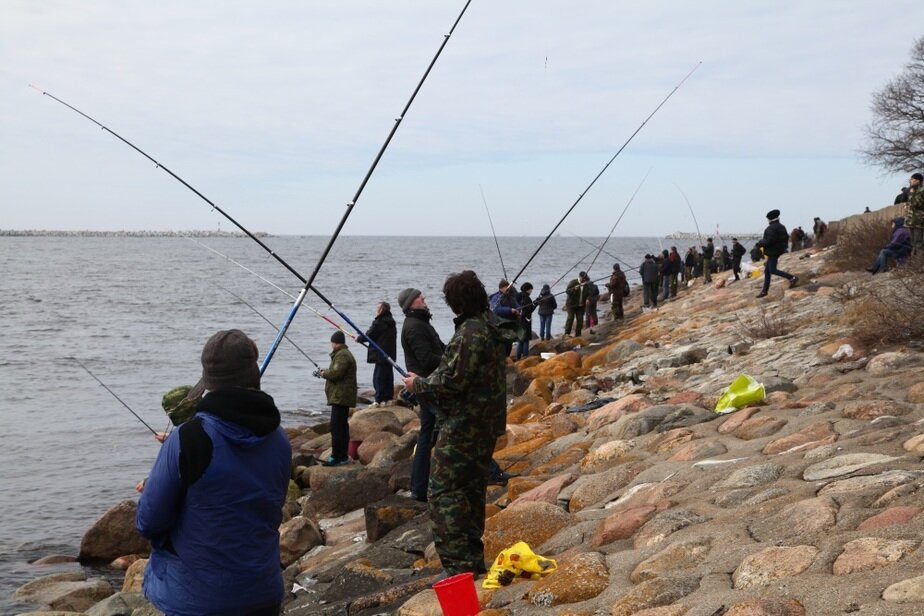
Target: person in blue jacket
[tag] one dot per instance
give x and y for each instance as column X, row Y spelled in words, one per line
column 212, row 504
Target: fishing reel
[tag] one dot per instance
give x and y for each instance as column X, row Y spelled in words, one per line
column 408, row 396
column 317, row 373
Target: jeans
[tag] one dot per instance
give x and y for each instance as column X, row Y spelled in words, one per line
column 882, row 261
column 770, row 269
column 545, row 327
column 420, row 467
column 383, row 380
column 339, row 431
column 522, row 348
column 665, row 286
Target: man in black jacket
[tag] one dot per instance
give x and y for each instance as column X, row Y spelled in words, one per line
column 423, row 350
column 708, row 254
column 737, row 252
column 774, row 244
column 383, row 332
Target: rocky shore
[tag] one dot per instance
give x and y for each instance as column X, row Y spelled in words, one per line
column 651, row 503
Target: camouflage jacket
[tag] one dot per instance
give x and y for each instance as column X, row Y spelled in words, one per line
column 915, row 209
column 470, row 385
column 574, row 294
column 340, row 387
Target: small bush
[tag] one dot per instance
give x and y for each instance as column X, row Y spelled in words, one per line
column 859, row 243
column 768, row 321
column 890, row 313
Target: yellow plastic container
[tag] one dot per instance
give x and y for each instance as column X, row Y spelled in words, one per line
column 743, row 391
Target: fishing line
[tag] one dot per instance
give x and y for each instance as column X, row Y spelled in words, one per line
column 346, row 215
column 260, row 314
column 596, row 247
column 499, row 255
column 605, row 167
column 623, row 213
column 276, row 286
column 106, row 387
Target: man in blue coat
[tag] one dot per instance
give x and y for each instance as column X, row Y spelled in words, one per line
column 212, row 504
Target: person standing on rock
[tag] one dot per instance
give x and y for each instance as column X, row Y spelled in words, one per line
column 708, row 254
column 617, row 287
column 591, row 297
column 504, row 304
column 689, row 262
column 423, row 350
column 574, row 304
column 737, row 252
column 546, row 308
column 774, row 245
column 383, row 332
column 649, row 273
column 526, row 319
column 212, row 504
column 469, row 388
column 915, row 213
column 340, row 390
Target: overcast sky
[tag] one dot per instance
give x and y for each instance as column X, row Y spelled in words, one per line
column 275, row 110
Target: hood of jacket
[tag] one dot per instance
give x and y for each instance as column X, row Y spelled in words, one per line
column 899, row 221
column 247, row 415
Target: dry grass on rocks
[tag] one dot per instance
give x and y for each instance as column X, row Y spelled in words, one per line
column 893, row 313
column 858, row 243
column 767, row 321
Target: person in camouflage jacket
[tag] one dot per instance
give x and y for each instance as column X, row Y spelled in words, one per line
column 469, row 390
column 914, row 213
column 574, row 304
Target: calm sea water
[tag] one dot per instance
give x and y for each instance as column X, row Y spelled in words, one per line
column 136, row 312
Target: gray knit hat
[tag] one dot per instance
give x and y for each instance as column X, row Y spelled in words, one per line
column 229, row 359
column 407, row 297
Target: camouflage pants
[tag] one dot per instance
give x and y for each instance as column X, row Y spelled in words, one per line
column 458, row 480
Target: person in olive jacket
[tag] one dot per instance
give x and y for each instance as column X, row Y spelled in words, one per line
column 384, row 333
column 341, row 395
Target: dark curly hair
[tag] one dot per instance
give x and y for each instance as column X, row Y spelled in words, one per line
column 465, row 294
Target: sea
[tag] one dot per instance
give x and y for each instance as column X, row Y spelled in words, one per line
column 136, row 311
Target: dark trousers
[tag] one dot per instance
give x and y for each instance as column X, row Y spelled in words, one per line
column 651, row 293
column 616, row 305
column 736, row 267
column 575, row 316
column 339, row 431
column 420, row 467
column 522, row 348
column 770, row 270
column 383, row 380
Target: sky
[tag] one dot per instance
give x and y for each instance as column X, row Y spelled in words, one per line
column 276, row 110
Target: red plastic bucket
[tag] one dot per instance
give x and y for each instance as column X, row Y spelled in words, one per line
column 457, row 595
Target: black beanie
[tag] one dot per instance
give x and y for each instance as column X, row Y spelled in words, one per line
column 773, row 214
column 338, row 337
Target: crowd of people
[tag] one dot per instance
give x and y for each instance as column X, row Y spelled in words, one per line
column 215, row 492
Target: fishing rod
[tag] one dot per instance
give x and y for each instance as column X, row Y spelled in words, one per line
column 276, row 286
column 698, row 232
column 138, row 417
column 499, row 255
column 610, row 234
column 607, row 252
column 605, row 167
column 350, row 205
column 260, row 314
column 568, row 271
column 536, row 301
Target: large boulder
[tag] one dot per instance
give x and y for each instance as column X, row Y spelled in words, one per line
column 366, row 422
column 387, row 514
column 65, row 592
column 579, row 578
column 296, row 537
column 113, row 535
column 532, row 522
column 338, row 497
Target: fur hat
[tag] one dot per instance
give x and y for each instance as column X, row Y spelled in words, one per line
column 229, row 359
column 774, row 214
column 407, row 297
column 338, row 337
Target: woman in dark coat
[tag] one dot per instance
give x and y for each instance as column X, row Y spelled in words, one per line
column 384, row 333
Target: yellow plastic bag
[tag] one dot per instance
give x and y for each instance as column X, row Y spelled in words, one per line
column 517, row 561
column 743, row 391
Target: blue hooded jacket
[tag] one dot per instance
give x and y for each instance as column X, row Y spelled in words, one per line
column 212, row 506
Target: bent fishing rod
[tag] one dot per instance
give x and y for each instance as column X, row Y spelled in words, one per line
column 106, row 387
column 273, row 325
column 499, row 255
column 350, row 205
column 605, row 167
column 277, row 287
column 536, row 301
column 615, row 224
column 236, row 223
column 698, row 232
